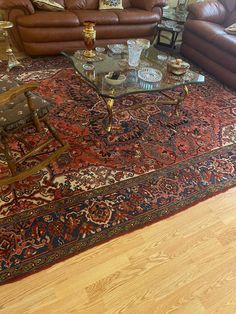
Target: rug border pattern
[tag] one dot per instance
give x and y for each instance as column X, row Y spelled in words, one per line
column 73, row 248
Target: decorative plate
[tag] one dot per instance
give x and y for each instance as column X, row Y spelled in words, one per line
column 117, row 48
column 150, row 75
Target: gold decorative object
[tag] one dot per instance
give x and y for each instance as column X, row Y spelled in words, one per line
column 12, row 61
column 89, row 35
column 177, row 66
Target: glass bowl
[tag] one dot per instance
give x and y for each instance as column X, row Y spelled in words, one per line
column 88, row 66
column 100, row 49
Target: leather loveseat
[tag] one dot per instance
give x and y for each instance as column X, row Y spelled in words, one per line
column 205, row 41
column 38, row 32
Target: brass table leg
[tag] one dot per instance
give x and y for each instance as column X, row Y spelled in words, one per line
column 177, row 101
column 180, row 99
column 109, row 103
column 169, row 100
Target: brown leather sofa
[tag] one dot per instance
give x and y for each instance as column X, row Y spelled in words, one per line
column 38, row 32
column 207, row 44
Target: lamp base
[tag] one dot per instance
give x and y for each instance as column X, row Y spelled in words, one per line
column 12, row 61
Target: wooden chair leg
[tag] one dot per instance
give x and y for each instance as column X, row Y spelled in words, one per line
column 11, row 165
column 31, row 107
column 53, row 132
column 9, row 158
column 15, row 171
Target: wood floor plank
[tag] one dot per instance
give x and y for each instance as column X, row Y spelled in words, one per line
column 177, row 265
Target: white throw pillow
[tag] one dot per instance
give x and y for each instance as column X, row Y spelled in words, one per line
column 48, row 5
column 231, row 29
column 110, row 4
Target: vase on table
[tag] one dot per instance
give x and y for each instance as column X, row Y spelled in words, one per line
column 134, row 50
column 89, row 35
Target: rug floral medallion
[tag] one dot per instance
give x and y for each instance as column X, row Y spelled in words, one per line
column 154, row 164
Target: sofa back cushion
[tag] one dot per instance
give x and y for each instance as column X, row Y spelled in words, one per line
column 231, row 19
column 230, row 5
column 89, row 4
column 81, row 4
column 126, row 4
column 210, row 11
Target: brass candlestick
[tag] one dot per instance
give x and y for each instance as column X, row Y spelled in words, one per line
column 12, row 61
column 89, row 35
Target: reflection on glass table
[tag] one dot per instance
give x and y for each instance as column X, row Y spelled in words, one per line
column 175, row 15
column 134, row 84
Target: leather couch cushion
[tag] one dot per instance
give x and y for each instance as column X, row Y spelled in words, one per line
column 49, row 19
column 147, row 4
column 81, row 4
column 25, row 6
column 126, row 4
column 122, row 31
column 231, row 19
column 213, row 33
column 219, row 71
column 204, row 29
column 52, row 34
column 99, row 17
column 230, row 5
column 211, row 51
column 137, row 16
column 211, row 11
column 89, row 4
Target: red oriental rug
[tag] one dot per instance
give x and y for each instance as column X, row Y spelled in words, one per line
column 153, row 165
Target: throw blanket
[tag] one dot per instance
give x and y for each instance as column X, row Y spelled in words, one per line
column 231, row 29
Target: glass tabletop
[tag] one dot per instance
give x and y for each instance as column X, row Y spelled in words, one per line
column 175, row 15
column 151, row 58
column 170, row 25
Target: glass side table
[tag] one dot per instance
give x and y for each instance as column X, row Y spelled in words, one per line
column 172, row 23
column 175, row 15
column 12, row 61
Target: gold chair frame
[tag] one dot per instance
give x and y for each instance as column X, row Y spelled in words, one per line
column 14, row 164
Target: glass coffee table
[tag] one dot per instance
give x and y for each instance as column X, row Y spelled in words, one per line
column 135, row 82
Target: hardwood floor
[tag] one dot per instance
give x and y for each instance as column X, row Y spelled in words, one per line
column 183, row 265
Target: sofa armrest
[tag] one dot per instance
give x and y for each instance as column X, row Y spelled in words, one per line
column 210, row 11
column 148, row 5
column 25, row 5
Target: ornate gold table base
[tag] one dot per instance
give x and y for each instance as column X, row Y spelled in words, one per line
column 12, row 61
column 168, row 101
column 109, row 102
